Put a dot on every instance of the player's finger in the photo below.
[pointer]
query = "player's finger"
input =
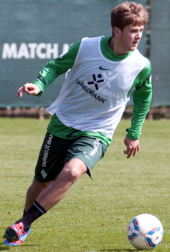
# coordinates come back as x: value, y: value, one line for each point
x: 134, y: 151
x: 19, y: 92
x: 26, y: 89
x: 138, y: 147
x: 130, y: 153
x: 126, y: 151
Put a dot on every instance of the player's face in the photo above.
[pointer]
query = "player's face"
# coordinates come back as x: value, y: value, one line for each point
x: 130, y: 37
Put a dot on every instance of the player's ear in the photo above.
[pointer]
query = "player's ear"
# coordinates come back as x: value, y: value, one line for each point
x: 116, y: 31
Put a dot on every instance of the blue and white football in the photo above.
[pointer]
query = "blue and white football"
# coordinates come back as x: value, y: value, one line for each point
x: 145, y: 231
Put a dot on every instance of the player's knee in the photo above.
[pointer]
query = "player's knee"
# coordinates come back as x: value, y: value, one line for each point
x: 73, y: 173
x: 74, y: 169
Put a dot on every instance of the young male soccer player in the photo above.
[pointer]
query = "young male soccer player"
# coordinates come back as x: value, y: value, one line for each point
x: 90, y: 105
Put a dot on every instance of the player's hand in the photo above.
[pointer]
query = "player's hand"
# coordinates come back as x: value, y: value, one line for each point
x: 132, y: 147
x: 29, y: 88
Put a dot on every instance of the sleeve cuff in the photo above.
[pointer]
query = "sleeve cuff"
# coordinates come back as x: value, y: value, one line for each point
x: 40, y: 84
x: 133, y: 134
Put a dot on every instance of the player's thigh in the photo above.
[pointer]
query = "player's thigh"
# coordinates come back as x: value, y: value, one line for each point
x: 88, y: 150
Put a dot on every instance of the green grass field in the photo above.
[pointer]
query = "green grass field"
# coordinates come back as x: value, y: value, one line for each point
x: 95, y: 213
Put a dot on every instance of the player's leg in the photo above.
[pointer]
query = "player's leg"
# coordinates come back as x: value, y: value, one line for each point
x: 49, y: 197
x: 81, y: 156
x: 72, y: 171
x: 47, y: 168
x: 33, y: 191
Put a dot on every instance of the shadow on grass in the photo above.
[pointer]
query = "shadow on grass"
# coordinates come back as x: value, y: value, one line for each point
x: 3, y: 247
x: 31, y: 245
x: 115, y: 250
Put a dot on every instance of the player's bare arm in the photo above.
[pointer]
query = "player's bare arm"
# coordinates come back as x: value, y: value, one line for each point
x: 132, y: 147
x: 29, y: 88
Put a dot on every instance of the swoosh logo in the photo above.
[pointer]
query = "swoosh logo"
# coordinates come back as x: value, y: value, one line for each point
x: 101, y: 68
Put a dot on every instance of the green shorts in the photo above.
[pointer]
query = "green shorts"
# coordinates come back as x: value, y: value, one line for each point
x: 56, y: 151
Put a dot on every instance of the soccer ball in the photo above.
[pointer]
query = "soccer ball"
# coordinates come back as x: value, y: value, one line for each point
x: 145, y: 231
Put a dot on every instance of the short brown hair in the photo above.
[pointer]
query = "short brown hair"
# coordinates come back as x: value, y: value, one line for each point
x: 128, y: 13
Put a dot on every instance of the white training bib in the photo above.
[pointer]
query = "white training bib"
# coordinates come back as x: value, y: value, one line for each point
x: 94, y: 94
